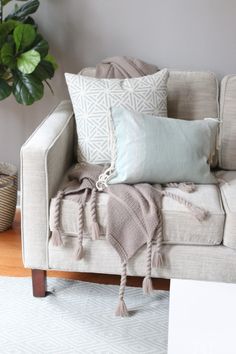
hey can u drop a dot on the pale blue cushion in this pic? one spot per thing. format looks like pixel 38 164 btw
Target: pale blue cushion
pixel 161 150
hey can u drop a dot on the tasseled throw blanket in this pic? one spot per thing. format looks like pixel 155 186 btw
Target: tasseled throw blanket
pixel 123 67
pixel 134 219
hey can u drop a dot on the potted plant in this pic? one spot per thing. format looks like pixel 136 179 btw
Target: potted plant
pixel 25 64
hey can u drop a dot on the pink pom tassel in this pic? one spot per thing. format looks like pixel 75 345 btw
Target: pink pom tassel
pixel 95 230
pixel 147 286
pixel 79 254
pixel 122 310
pixel 56 238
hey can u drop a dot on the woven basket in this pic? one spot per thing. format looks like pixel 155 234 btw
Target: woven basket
pixel 8 195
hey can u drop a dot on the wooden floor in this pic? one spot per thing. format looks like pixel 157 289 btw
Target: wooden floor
pixel 11 263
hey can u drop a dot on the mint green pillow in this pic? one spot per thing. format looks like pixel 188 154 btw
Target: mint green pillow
pixel 153 149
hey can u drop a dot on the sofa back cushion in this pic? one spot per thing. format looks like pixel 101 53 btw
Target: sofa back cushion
pixel 191 95
pixel 227 153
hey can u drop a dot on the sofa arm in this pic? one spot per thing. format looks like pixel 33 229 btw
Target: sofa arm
pixel 45 157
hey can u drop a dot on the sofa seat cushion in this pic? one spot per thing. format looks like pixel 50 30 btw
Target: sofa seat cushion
pixel 228 192
pixel 179 224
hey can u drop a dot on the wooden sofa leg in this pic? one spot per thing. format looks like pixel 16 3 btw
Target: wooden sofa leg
pixel 39 282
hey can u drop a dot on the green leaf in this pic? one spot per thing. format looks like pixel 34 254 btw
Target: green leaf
pixel 24 11
pixel 7 27
pixel 44 70
pixel 5 90
pixel 28 61
pixel 51 60
pixel 30 21
pixel 27 89
pixel 7 55
pixel 24 35
pixel 41 45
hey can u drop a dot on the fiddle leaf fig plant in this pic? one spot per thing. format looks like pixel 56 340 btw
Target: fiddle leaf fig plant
pixel 25 62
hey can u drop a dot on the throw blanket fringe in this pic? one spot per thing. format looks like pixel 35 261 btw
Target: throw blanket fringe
pixel 56 233
pixel 79 251
pixel 121 308
pixel 94 226
pixel 133 210
pixel 147 281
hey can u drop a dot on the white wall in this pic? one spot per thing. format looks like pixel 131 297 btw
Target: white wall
pixel 184 34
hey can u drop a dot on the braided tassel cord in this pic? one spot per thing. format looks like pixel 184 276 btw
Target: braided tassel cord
pixel 184 186
pixel 56 233
pixel 157 259
pixel 95 232
pixel 199 213
pixel 121 309
pixel 79 252
pixel 147 281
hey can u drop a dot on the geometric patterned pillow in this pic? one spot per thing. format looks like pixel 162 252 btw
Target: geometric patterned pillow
pixel 92 99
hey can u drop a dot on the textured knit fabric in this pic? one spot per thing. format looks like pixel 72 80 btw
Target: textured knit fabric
pixel 131 210
pixel 81 188
pixel 179 224
pixel 134 219
pixel 138 221
pixel 123 67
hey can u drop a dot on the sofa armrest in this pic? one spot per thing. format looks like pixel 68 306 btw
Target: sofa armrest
pixel 45 158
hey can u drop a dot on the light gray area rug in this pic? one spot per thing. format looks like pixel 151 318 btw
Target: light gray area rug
pixel 78 317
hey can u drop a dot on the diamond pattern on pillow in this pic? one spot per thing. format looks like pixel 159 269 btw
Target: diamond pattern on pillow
pixel 92 98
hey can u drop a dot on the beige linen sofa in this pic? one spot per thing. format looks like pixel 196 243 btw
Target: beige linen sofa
pixel 193 250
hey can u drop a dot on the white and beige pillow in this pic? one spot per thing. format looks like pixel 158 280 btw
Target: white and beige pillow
pixel 92 99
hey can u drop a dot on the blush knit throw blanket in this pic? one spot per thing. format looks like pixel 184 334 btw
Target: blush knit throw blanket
pixel 134 219
pixel 123 67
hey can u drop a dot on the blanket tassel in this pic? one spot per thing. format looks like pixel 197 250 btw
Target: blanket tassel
pixel 95 230
pixel 121 309
pixel 56 238
pixel 157 259
pixel 56 233
pixel 147 281
pixel 79 253
pixel 94 226
pixel 147 286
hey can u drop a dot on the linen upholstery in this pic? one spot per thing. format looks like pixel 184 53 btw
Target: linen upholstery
pixel 227 155
pixel 41 174
pixel 190 95
pixel 179 224
pixel 45 158
pixel 216 263
pixel 193 95
pixel 228 192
